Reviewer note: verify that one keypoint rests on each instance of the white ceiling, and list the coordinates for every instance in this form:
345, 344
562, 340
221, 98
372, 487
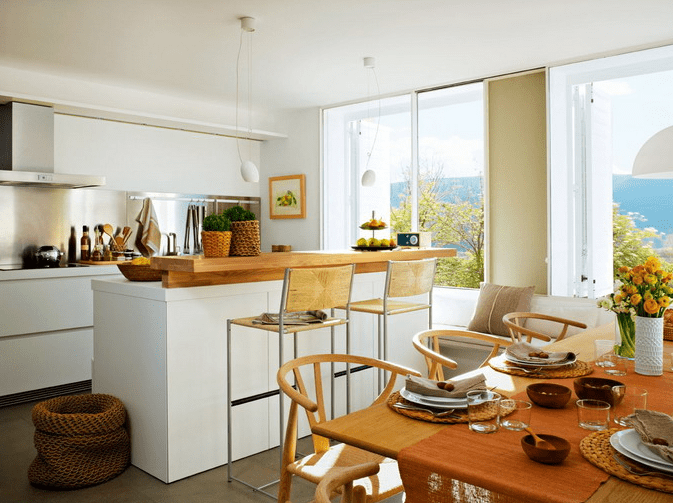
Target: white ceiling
309, 52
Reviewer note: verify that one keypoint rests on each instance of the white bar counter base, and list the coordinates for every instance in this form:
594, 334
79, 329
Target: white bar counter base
162, 352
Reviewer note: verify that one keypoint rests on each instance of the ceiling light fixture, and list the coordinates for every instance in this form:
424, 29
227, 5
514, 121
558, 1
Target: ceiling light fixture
249, 171
369, 176
655, 157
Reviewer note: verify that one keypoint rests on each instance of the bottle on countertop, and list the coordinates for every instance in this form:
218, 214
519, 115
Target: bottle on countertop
97, 253
85, 244
72, 246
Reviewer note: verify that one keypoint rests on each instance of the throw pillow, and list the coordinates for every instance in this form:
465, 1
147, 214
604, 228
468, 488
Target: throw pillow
494, 302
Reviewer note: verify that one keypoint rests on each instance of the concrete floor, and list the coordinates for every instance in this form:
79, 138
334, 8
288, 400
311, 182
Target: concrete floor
134, 485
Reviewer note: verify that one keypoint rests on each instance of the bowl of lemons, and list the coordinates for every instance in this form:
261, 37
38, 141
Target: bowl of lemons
139, 270
373, 244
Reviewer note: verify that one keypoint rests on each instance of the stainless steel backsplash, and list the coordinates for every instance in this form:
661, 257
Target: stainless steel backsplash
33, 217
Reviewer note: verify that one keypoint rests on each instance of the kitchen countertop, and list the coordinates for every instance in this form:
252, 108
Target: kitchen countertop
188, 271
58, 272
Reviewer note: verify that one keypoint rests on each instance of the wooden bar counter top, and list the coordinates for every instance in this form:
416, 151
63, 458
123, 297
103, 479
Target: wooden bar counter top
187, 271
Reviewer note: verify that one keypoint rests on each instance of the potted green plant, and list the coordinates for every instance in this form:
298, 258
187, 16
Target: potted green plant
216, 236
245, 239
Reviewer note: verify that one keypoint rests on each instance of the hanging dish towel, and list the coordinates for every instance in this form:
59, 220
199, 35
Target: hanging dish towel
149, 235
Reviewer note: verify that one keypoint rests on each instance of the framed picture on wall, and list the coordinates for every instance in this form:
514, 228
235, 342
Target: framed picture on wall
287, 196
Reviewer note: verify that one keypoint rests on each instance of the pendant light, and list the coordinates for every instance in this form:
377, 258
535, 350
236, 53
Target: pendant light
369, 176
249, 171
655, 157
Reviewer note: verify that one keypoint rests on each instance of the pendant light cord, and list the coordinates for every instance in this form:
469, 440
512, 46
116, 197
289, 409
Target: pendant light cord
238, 64
378, 121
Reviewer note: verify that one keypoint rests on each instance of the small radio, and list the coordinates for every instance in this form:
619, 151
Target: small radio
414, 239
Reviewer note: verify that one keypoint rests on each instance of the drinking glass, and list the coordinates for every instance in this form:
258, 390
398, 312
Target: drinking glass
614, 365
603, 348
482, 410
593, 414
514, 414
626, 400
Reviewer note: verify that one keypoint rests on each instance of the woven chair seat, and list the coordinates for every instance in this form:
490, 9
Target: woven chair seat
385, 483
80, 441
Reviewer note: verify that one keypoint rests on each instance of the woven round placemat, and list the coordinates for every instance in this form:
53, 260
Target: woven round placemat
426, 416
577, 369
597, 450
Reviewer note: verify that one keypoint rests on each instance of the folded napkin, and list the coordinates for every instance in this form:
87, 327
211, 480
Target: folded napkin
298, 318
524, 351
148, 236
428, 387
655, 430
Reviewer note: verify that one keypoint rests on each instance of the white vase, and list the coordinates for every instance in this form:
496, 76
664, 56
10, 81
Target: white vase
649, 346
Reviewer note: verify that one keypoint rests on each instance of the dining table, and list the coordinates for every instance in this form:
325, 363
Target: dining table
449, 463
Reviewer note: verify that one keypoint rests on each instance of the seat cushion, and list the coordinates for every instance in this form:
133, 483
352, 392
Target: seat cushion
384, 484
494, 302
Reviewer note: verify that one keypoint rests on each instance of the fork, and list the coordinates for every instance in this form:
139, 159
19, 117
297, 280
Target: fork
636, 470
444, 413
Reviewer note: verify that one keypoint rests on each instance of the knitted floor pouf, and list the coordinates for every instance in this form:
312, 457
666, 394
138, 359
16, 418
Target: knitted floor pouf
80, 440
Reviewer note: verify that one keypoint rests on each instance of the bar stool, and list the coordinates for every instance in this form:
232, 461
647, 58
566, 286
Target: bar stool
304, 290
403, 279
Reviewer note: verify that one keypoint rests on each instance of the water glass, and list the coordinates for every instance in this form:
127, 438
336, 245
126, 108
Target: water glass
614, 365
603, 348
593, 414
626, 400
482, 410
514, 414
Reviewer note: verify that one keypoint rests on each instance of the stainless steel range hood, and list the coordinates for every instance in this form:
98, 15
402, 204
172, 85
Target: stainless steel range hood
27, 150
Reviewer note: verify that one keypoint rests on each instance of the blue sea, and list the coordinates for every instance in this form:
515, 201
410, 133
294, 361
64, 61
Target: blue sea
653, 199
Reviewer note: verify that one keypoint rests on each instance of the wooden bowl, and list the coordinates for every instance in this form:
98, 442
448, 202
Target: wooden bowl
546, 456
134, 272
550, 395
595, 388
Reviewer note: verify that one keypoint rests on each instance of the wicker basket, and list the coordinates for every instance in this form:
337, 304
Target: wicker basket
245, 238
139, 272
80, 441
668, 325
216, 243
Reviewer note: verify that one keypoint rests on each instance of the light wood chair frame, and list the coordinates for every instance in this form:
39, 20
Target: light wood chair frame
293, 299
342, 478
427, 343
398, 285
314, 407
515, 323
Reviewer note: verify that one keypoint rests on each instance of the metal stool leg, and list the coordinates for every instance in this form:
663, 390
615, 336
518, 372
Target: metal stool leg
229, 450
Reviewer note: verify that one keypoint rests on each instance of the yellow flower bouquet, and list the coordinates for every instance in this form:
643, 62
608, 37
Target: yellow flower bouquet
646, 288
641, 291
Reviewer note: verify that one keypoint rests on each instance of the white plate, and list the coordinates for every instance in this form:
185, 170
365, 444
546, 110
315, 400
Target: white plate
628, 443
528, 363
436, 402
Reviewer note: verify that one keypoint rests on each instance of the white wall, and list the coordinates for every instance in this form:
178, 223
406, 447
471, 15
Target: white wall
298, 154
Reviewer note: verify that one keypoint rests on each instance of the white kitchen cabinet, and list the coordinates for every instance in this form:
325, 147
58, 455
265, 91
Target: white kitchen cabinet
46, 327
163, 353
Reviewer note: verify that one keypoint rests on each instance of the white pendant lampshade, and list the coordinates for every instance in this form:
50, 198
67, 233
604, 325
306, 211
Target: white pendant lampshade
368, 178
249, 172
655, 157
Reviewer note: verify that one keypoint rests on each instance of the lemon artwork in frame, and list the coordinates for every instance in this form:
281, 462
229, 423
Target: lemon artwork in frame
287, 196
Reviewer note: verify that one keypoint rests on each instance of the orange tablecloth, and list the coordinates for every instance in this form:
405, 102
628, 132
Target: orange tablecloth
431, 469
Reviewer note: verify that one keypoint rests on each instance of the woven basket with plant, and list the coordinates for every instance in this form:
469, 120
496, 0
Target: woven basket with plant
216, 236
245, 240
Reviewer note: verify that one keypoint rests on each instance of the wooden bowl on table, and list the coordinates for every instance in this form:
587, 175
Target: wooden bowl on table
595, 388
549, 395
546, 456
135, 272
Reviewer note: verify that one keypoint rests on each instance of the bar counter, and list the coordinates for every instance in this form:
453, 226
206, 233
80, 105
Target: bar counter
188, 271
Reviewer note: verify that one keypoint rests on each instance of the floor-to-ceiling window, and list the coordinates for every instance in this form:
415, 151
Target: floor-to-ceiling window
427, 151
602, 112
